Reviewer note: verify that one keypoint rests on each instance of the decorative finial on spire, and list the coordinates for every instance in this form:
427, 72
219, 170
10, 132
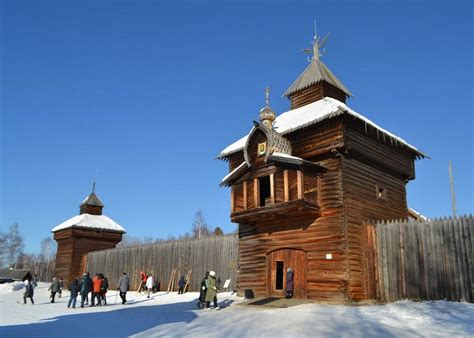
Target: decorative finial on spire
267, 116
267, 96
316, 46
93, 187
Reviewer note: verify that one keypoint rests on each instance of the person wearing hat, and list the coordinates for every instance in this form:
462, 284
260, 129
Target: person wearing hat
289, 283
28, 292
211, 294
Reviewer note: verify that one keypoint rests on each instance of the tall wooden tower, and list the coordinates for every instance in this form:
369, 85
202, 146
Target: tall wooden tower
89, 231
302, 185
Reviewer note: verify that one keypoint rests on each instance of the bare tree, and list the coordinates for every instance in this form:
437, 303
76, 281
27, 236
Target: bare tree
3, 249
200, 227
14, 245
47, 255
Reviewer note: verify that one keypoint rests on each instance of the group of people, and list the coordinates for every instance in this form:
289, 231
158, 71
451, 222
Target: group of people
148, 283
208, 291
98, 286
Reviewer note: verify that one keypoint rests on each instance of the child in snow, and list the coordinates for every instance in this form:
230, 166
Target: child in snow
181, 284
211, 294
28, 292
74, 288
54, 288
149, 284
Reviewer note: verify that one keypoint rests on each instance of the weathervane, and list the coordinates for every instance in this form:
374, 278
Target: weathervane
317, 45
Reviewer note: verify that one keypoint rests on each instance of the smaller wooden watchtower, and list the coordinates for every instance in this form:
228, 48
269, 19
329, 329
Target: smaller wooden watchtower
79, 235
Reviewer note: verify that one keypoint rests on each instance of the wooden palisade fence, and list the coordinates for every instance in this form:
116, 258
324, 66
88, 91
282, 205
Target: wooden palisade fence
429, 260
199, 255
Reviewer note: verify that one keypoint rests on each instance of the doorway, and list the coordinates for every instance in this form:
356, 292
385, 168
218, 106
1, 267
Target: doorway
278, 262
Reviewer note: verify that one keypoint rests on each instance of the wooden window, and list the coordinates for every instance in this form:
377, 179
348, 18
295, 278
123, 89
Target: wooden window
380, 192
265, 190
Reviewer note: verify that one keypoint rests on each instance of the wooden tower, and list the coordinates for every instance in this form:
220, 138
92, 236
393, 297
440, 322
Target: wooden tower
302, 185
89, 231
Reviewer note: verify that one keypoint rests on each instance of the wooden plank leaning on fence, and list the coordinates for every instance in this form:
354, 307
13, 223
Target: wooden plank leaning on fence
188, 278
171, 282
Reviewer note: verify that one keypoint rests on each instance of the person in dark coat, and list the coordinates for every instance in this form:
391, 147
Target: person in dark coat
181, 284
289, 283
123, 286
202, 291
85, 286
103, 289
61, 287
29, 291
54, 288
74, 288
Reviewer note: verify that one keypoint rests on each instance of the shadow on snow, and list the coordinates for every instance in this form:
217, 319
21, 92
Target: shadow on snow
122, 322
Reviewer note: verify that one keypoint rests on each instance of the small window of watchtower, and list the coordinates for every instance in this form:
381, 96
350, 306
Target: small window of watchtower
264, 188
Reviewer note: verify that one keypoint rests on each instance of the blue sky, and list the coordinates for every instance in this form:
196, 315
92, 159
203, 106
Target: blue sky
147, 93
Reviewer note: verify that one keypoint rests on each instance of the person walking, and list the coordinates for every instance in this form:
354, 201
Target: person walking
103, 289
289, 283
96, 285
85, 286
181, 284
123, 286
29, 291
143, 278
54, 288
74, 289
61, 286
211, 294
149, 284
203, 291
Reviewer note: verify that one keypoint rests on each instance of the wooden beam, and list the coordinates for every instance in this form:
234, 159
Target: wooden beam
232, 200
256, 193
272, 188
285, 186
299, 183
318, 182
245, 195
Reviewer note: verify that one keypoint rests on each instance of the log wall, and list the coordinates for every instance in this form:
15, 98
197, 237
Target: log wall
431, 260
200, 255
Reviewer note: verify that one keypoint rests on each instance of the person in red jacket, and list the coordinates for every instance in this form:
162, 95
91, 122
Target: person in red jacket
143, 278
96, 286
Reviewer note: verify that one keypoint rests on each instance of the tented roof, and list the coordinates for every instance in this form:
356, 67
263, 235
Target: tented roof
92, 199
314, 73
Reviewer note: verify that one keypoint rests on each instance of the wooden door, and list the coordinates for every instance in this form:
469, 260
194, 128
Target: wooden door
278, 262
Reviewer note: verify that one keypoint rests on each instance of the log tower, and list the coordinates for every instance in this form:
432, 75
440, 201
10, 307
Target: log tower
89, 231
302, 185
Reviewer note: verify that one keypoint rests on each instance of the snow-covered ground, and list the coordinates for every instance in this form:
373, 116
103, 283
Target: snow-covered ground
177, 315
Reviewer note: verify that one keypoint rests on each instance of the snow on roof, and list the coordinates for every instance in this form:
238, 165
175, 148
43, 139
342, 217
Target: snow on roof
277, 154
311, 114
90, 221
233, 171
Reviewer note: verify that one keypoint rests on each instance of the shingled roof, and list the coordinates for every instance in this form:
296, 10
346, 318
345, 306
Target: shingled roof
314, 73
92, 199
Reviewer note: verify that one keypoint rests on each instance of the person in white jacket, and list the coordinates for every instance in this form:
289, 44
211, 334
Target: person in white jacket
149, 284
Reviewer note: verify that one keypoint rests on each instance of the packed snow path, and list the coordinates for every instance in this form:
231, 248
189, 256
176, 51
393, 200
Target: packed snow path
177, 315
